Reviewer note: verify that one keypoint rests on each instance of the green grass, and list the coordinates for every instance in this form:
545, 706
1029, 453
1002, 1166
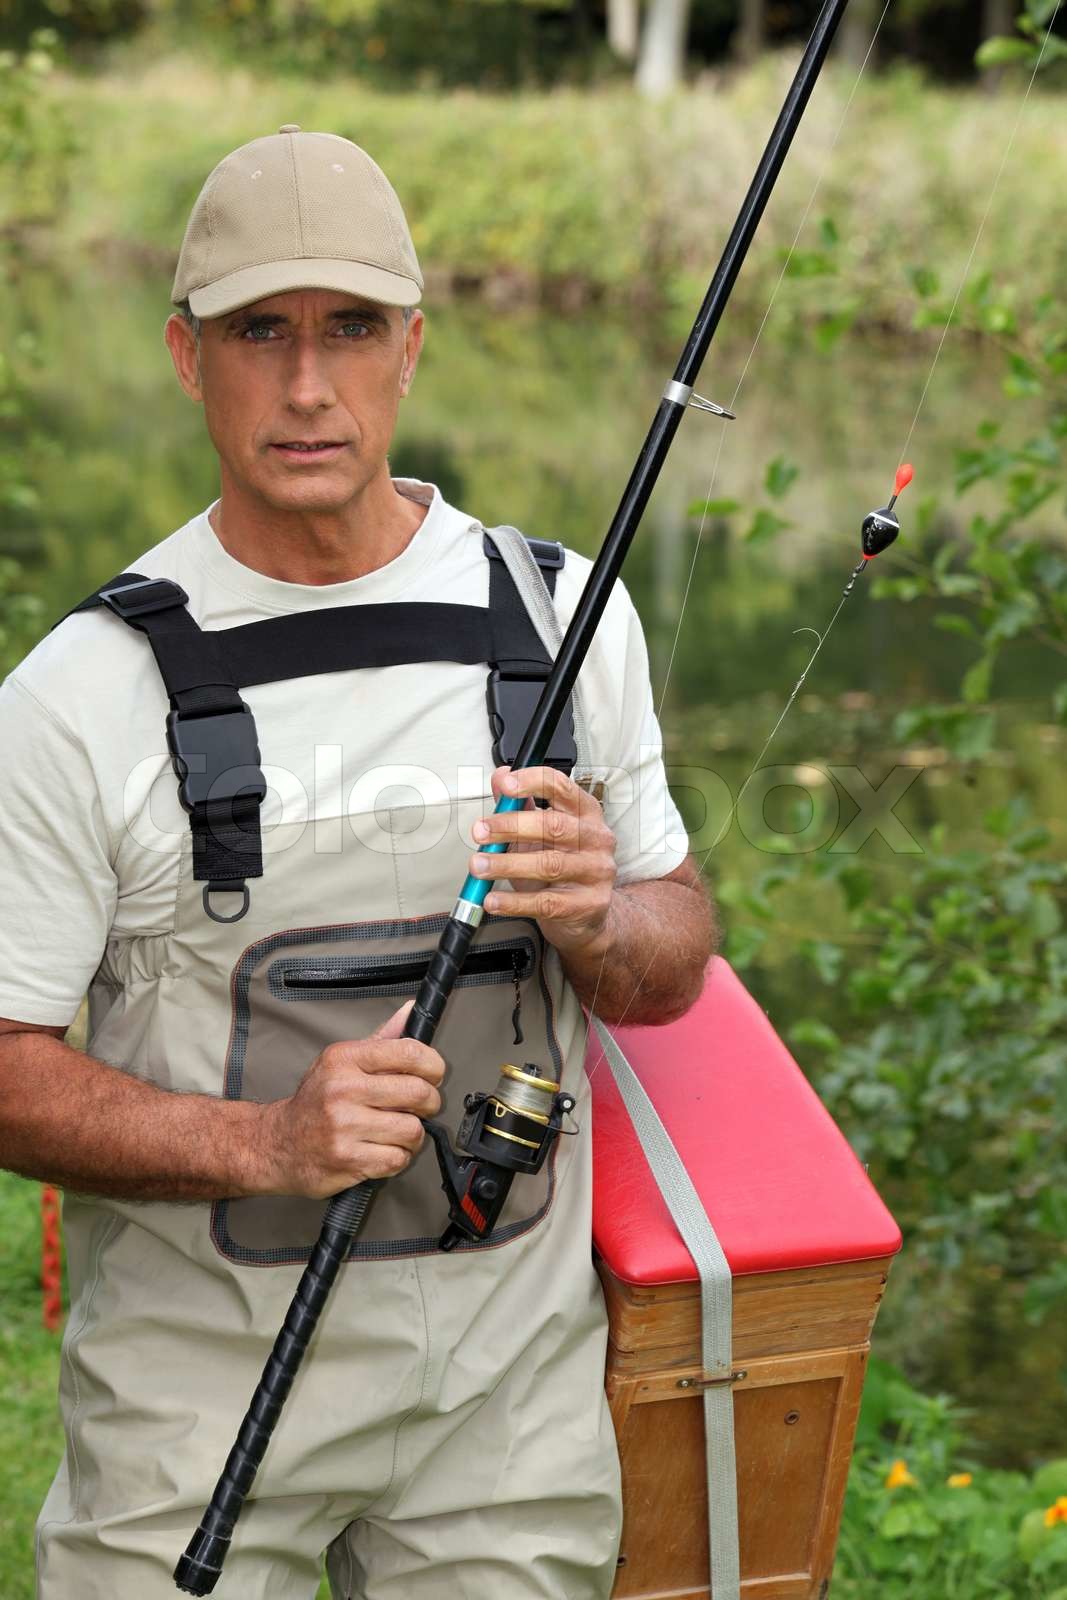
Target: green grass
31, 1441
560, 193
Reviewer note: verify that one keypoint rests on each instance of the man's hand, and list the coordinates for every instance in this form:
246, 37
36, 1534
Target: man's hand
355, 1115
635, 952
569, 858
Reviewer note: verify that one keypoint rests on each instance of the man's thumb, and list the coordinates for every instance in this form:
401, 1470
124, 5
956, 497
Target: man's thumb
393, 1027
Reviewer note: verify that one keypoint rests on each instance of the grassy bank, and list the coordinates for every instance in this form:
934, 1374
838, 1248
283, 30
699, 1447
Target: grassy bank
569, 195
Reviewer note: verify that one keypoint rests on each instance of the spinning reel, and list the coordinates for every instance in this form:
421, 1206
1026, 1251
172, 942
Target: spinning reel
502, 1134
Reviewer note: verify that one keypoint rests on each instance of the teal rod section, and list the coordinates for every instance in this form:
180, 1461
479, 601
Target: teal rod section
475, 889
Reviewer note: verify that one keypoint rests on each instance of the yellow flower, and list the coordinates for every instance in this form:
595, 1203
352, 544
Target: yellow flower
960, 1480
898, 1475
1057, 1512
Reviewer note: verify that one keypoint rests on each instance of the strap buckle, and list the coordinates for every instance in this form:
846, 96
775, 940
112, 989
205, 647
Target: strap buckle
548, 553
512, 700
215, 756
142, 597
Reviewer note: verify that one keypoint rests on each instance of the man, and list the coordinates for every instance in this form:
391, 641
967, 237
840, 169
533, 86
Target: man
245, 966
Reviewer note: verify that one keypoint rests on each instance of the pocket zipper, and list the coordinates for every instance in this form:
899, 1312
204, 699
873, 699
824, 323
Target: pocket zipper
515, 960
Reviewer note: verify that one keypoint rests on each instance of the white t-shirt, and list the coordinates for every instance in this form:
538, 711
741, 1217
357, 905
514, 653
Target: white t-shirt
90, 824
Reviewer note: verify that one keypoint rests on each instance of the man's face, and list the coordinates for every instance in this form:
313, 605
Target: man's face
310, 366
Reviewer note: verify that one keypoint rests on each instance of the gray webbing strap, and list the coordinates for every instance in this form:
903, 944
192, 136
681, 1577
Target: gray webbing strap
716, 1302
526, 576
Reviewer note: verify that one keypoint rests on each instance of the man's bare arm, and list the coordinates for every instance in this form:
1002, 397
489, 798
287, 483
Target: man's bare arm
69, 1119
647, 965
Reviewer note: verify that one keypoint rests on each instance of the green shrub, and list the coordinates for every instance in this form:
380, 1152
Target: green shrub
925, 1520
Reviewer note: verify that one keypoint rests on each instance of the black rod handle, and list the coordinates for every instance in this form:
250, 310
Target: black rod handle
199, 1568
439, 981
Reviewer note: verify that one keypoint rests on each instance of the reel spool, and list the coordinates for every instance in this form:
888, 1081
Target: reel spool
516, 1125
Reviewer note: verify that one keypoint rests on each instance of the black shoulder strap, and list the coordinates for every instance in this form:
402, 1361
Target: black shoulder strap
515, 644
210, 732
520, 662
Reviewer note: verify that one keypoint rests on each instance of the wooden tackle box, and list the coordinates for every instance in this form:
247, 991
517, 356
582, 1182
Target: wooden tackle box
809, 1244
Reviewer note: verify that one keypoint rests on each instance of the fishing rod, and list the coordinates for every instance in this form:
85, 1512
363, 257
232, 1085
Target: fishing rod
525, 1108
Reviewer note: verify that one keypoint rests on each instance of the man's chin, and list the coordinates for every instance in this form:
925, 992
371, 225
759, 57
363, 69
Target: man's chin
310, 489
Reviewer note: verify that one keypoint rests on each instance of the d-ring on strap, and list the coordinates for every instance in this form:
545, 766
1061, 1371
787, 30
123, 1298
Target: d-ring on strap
211, 734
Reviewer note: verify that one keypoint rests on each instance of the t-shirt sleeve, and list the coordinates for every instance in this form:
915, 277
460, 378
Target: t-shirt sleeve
58, 890
651, 840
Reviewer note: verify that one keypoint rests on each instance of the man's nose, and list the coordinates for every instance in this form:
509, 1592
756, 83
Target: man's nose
309, 385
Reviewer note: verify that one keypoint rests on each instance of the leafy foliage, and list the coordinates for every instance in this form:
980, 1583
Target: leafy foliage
926, 1520
944, 1051
36, 136
1033, 47
490, 44
36, 145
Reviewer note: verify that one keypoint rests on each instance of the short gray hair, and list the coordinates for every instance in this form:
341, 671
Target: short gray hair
184, 310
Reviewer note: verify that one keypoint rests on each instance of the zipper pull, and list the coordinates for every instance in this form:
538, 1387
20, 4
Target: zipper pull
516, 1015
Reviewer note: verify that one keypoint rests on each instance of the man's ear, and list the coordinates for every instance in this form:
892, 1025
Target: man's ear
412, 349
184, 350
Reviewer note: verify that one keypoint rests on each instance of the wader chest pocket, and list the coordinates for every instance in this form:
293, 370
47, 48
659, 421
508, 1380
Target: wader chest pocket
313, 978
296, 992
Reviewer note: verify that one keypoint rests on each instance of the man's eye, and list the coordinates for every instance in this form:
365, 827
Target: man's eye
256, 327
362, 326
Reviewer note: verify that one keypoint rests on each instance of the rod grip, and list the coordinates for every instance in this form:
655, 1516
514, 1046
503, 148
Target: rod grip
200, 1567
440, 980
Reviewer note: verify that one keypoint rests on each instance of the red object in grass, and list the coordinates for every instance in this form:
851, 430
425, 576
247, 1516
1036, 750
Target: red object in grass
905, 473
51, 1259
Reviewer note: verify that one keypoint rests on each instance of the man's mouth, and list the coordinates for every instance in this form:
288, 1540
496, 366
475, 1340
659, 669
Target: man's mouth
296, 448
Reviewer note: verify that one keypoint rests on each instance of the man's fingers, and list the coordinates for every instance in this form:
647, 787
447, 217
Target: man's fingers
541, 827
549, 866
395, 1127
377, 1055
545, 783
393, 1092
393, 1027
547, 905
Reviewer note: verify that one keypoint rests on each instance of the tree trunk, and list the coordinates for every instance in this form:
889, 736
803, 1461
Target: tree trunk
751, 32
998, 18
857, 27
659, 69
622, 28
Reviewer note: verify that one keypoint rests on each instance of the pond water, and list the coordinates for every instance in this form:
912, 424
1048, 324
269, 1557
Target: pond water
535, 420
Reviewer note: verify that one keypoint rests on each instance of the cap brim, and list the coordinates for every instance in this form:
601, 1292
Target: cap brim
243, 288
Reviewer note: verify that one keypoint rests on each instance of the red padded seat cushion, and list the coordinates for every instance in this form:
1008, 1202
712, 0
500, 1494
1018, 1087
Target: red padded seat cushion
777, 1177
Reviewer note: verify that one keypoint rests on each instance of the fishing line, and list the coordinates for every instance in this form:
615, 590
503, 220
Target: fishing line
902, 468
790, 253
824, 168
715, 473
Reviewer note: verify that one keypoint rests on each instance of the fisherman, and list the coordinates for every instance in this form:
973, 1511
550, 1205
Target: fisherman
249, 901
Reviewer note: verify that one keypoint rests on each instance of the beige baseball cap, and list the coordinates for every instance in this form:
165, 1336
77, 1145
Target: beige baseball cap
295, 210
